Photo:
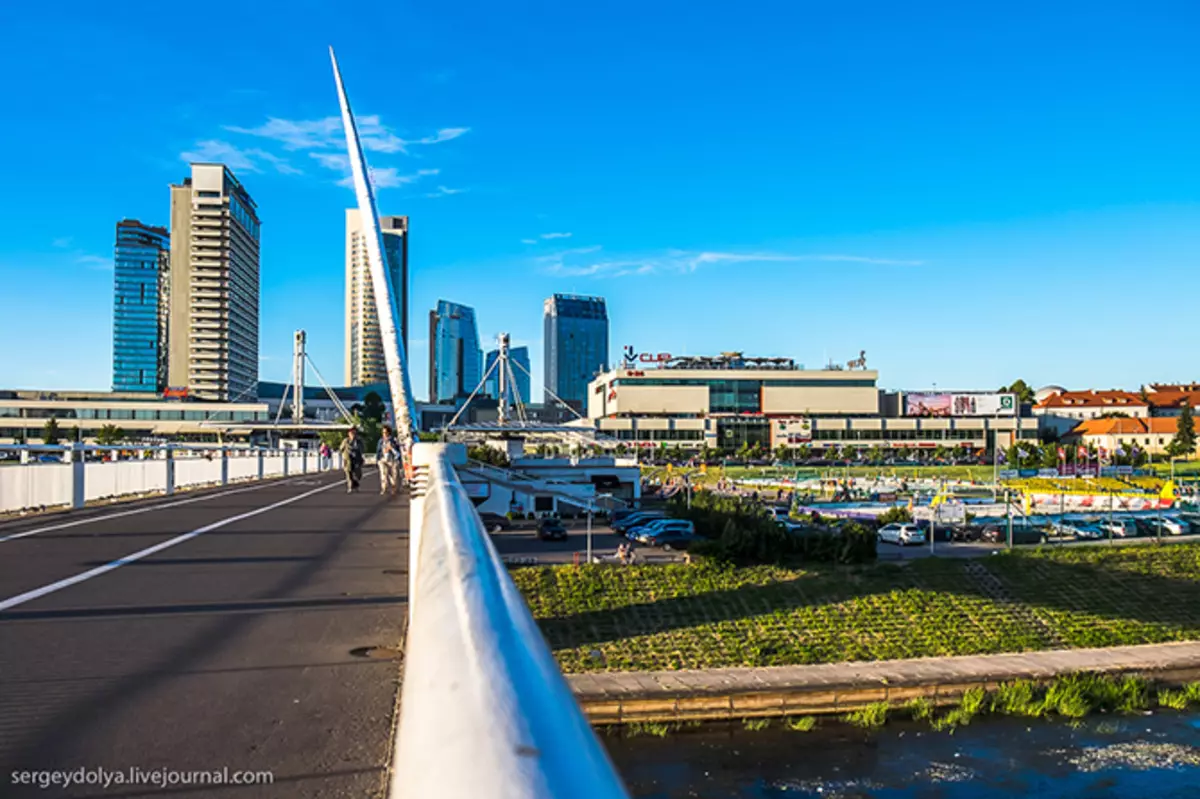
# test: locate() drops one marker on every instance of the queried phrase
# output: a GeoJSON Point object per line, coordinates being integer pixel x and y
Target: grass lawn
{"type": "Point", "coordinates": [600, 618]}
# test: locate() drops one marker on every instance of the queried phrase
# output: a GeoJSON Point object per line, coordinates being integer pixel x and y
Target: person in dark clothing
{"type": "Point", "coordinates": [352, 460]}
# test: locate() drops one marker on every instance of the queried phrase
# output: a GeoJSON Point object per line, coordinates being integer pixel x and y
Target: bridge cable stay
{"type": "Point", "coordinates": [394, 356]}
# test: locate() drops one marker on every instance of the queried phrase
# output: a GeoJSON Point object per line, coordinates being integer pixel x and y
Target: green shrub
{"type": "Point", "coordinates": [801, 723]}
{"type": "Point", "coordinates": [919, 708]}
{"type": "Point", "coordinates": [1017, 699]}
{"type": "Point", "coordinates": [1192, 690]}
{"type": "Point", "coordinates": [754, 725]}
{"type": "Point", "coordinates": [871, 717]}
{"type": "Point", "coordinates": [647, 728]}
{"type": "Point", "coordinates": [1172, 698]}
{"type": "Point", "coordinates": [1070, 696]}
{"type": "Point", "coordinates": [896, 515]}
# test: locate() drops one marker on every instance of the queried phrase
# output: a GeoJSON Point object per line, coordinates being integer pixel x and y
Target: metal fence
{"type": "Point", "coordinates": [485, 711]}
{"type": "Point", "coordinates": [36, 477]}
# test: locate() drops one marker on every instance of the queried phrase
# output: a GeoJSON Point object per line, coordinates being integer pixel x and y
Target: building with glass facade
{"type": "Point", "coordinates": [141, 272]}
{"type": "Point", "coordinates": [365, 363]}
{"type": "Point", "coordinates": [576, 346]}
{"type": "Point", "coordinates": [455, 361]}
{"type": "Point", "coordinates": [213, 327]}
{"type": "Point", "coordinates": [519, 360]}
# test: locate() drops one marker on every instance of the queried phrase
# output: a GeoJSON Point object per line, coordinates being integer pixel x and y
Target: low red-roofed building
{"type": "Point", "coordinates": [1168, 400]}
{"type": "Point", "coordinates": [1061, 411]}
{"type": "Point", "coordinates": [1150, 434]}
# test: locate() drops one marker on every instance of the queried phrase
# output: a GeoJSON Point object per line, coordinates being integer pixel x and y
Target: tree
{"type": "Point", "coordinates": [332, 438]}
{"type": "Point", "coordinates": [1184, 442]}
{"type": "Point", "coordinates": [782, 452]}
{"type": "Point", "coordinates": [51, 433]}
{"type": "Point", "coordinates": [1021, 389]}
{"type": "Point", "coordinates": [373, 407]}
{"type": "Point", "coordinates": [804, 452]}
{"type": "Point", "coordinates": [109, 435]}
{"type": "Point", "coordinates": [875, 455]}
{"type": "Point", "coordinates": [1049, 455]}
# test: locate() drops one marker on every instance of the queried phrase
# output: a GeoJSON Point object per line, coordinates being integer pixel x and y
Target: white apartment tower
{"type": "Point", "coordinates": [213, 325]}
{"type": "Point", "coordinates": [364, 345]}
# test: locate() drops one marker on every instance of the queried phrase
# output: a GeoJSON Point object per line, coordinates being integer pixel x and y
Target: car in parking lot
{"type": "Point", "coordinates": [1021, 534]}
{"type": "Point", "coordinates": [644, 535]}
{"type": "Point", "coordinates": [901, 534]}
{"type": "Point", "coordinates": [675, 533]}
{"type": "Point", "coordinates": [551, 530]}
{"type": "Point", "coordinates": [1119, 528]}
{"type": "Point", "coordinates": [1153, 526]}
{"type": "Point", "coordinates": [627, 523]}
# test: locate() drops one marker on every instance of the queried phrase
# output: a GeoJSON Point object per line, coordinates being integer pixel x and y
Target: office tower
{"type": "Point", "coordinates": [518, 357]}
{"type": "Point", "coordinates": [576, 341]}
{"type": "Point", "coordinates": [364, 346]}
{"type": "Point", "coordinates": [454, 357]}
{"type": "Point", "coordinates": [213, 329]}
{"type": "Point", "coordinates": [141, 273]}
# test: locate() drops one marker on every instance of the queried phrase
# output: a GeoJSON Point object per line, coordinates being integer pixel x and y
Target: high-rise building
{"type": "Point", "coordinates": [518, 357]}
{"type": "Point", "coordinates": [213, 330]}
{"type": "Point", "coordinates": [454, 357]}
{"type": "Point", "coordinates": [576, 341]}
{"type": "Point", "coordinates": [141, 274]}
{"type": "Point", "coordinates": [364, 345]}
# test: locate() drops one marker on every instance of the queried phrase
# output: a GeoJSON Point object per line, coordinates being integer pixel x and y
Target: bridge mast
{"type": "Point", "coordinates": [385, 299]}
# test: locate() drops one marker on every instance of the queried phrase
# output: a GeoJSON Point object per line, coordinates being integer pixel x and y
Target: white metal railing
{"type": "Point", "coordinates": [485, 711]}
{"type": "Point", "coordinates": [43, 476]}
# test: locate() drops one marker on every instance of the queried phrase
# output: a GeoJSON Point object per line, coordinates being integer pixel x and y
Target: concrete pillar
{"type": "Point", "coordinates": [169, 455]}
{"type": "Point", "coordinates": [259, 454]}
{"type": "Point", "coordinates": [285, 463]}
{"type": "Point", "coordinates": [74, 456]}
{"type": "Point", "coordinates": [224, 466]}
{"type": "Point", "coordinates": [304, 461]}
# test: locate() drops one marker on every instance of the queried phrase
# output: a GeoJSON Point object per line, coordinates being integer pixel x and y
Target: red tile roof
{"type": "Point", "coordinates": [1173, 398]}
{"type": "Point", "coordinates": [1122, 426]}
{"type": "Point", "coordinates": [1093, 399]}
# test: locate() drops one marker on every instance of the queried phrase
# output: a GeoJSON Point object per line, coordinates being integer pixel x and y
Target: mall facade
{"type": "Point", "coordinates": [723, 402]}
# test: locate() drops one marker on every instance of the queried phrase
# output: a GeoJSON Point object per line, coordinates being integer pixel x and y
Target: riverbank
{"type": "Point", "coordinates": [705, 616]}
{"type": "Point", "coordinates": [845, 688]}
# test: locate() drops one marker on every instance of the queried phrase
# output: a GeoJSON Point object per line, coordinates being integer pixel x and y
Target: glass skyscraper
{"type": "Point", "coordinates": [365, 363]}
{"type": "Point", "coordinates": [576, 340]}
{"type": "Point", "coordinates": [518, 357]}
{"type": "Point", "coordinates": [142, 264]}
{"type": "Point", "coordinates": [454, 356]}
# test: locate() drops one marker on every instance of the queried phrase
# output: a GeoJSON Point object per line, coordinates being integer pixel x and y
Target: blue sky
{"type": "Point", "coordinates": [969, 194]}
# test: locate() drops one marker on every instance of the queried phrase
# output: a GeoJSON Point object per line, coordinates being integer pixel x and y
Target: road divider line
{"type": "Point", "coordinates": [160, 506]}
{"type": "Point", "coordinates": [28, 596]}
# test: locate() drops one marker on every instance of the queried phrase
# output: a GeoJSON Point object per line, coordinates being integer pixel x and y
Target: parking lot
{"type": "Point", "coordinates": [521, 544]}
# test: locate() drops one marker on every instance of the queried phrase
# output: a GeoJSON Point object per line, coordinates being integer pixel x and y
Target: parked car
{"type": "Point", "coordinates": [494, 522]}
{"type": "Point", "coordinates": [551, 530]}
{"type": "Point", "coordinates": [635, 519]}
{"type": "Point", "coordinates": [1119, 528]}
{"type": "Point", "coordinates": [1153, 526]}
{"type": "Point", "coordinates": [781, 513]}
{"type": "Point", "coordinates": [1021, 534]}
{"type": "Point", "coordinates": [644, 534]}
{"type": "Point", "coordinates": [673, 539]}
{"type": "Point", "coordinates": [902, 534]}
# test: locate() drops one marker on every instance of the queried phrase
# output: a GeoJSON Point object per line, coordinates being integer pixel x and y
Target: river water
{"type": "Point", "coordinates": [1104, 757]}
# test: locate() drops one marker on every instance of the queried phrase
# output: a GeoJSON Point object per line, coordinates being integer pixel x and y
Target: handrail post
{"type": "Point", "coordinates": [224, 466]}
{"type": "Point", "coordinates": [169, 457]}
{"type": "Point", "coordinates": [75, 457]}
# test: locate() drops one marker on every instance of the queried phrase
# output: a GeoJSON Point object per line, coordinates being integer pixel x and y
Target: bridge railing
{"type": "Point", "coordinates": [485, 711]}
{"type": "Point", "coordinates": [47, 476]}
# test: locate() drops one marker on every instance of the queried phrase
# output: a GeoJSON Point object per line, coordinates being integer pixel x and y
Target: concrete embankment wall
{"type": "Point", "coordinates": [723, 694]}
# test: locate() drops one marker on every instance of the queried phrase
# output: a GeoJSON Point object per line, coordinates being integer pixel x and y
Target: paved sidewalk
{"type": "Point", "coordinates": [619, 697]}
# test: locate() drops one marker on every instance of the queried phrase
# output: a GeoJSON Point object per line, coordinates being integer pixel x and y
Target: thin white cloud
{"type": "Point", "coordinates": [685, 262]}
{"type": "Point", "coordinates": [529, 241]}
{"type": "Point", "coordinates": [327, 133]}
{"type": "Point", "coordinates": [338, 161]}
{"type": "Point", "coordinates": [442, 191]}
{"type": "Point", "coordinates": [62, 243]}
{"type": "Point", "coordinates": [556, 235]}
{"type": "Point", "coordinates": [97, 262]}
{"type": "Point", "coordinates": [389, 177]}
{"type": "Point", "coordinates": [236, 158]}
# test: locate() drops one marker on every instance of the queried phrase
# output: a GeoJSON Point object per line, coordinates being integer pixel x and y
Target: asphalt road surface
{"type": "Point", "coordinates": [202, 635]}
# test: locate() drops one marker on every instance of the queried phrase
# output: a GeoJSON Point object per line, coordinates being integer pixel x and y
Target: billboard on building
{"type": "Point", "coordinates": [791, 432]}
{"type": "Point", "coordinates": [929, 404]}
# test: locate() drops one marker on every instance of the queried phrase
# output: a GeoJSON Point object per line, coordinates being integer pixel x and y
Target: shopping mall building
{"type": "Point", "coordinates": [730, 400]}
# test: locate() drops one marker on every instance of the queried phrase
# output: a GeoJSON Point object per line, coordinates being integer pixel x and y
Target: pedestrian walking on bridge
{"type": "Point", "coordinates": [387, 455]}
{"type": "Point", "coordinates": [352, 460]}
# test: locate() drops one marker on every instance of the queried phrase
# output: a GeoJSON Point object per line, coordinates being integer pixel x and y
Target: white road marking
{"type": "Point", "coordinates": [146, 509]}
{"type": "Point", "coordinates": [28, 596]}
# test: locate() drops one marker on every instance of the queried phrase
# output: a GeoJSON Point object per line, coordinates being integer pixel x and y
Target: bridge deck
{"type": "Point", "coordinates": [231, 648]}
